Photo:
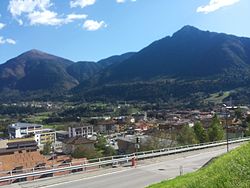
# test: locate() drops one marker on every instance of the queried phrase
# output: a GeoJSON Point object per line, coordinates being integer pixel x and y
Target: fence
{"type": "Point", "coordinates": [83, 166]}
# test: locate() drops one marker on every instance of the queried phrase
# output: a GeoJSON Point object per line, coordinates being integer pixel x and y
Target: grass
{"type": "Point", "coordinates": [55, 127]}
{"type": "Point", "coordinates": [231, 170]}
{"type": "Point", "coordinates": [218, 98]}
{"type": "Point", "coordinates": [38, 118]}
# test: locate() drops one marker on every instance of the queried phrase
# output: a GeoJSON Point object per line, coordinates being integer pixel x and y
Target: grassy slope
{"type": "Point", "coordinates": [216, 98]}
{"type": "Point", "coordinates": [229, 171]}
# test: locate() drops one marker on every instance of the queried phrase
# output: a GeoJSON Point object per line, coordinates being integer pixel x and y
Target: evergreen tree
{"type": "Point", "coordinates": [215, 132]}
{"type": "Point", "coordinates": [238, 113]}
{"type": "Point", "coordinates": [103, 147]}
{"type": "Point", "coordinates": [248, 130]}
{"type": "Point", "coordinates": [200, 133]}
{"type": "Point", "coordinates": [47, 148]}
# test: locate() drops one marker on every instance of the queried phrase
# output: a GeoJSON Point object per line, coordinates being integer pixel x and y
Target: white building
{"type": "Point", "coordinates": [86, 131]}
{"type": "Point", "coordinates": [41, 136]}
{"type": "Point", "coordinates": [20, 130]}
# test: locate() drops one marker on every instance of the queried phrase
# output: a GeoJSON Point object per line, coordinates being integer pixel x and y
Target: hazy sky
{"type": "Point", "coordinates": [95, 29]}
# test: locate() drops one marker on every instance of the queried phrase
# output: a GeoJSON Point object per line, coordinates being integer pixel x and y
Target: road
{"type": "Point", "coordinates": [146, 173]}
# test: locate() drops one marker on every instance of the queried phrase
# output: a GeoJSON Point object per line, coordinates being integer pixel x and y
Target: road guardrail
{"type": "Point", "coordinates": [25, 173]}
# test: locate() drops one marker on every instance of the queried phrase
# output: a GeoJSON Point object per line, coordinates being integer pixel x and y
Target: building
{"type": "Point", "coordinates": [62, 135]}
{"type": "Point", "coordinates": [20, 155]}
{"type": "Point", "coordinates": [45, 136]}
{"type": "Point", "coordinates": [107, 127]}
{"type": "Point", "coordinates": [127, 144]}
{"type": "Point", "coordinates": [85, 131]}
{"type": "Point", "coordinates": [70, 145]}
{"type": "Point", "coordinates": [24, 130]}
{"type": "Point", "coordinates": [20, 130]}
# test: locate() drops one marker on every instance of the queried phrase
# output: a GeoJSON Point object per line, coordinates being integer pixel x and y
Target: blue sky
{"type": "Point", "coordinates": [95, 29]}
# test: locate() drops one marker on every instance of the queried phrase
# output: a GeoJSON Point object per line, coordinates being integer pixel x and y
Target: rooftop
{"type": "Point", "coordinates": [24, 125]}
{"type": "Point", "coordinates": [79, 125]}
{"type": "Point", "coordinates": [79, 140]}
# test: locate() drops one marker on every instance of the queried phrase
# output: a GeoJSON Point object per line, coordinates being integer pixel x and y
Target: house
{"type": "Point", "coordinates": [24, 154]}
{"type": "Point", "coordinates": [141, 126]}
{"type": "Point", "coordinates": [126, 145]}
{"type": "Point", "coordinates": [70, 145]}
{"type": "Point", "coordinates": [107, 127]}
{"type": "Point", "coordinates": [20, 155]}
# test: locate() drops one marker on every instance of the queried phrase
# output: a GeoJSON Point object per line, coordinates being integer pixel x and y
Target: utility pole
{"type": "Point", "coordinates": [227, 137]}
{"type": "Point", "coordinates": [227, 131]}
{"type": "Point", "coordinates": [137, 146]}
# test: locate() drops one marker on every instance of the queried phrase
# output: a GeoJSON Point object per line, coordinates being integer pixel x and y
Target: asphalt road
{"type": "Point", "coordinates": [146, 173]}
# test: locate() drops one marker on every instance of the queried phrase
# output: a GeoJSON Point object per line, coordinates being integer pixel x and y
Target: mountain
{"type": "Point", "coordinates": [115, 59]}
{"type": "Point", "coordinates": [84, 70]}
{"type": "Point", "coordinates": [189, 53]}
{"type": "Point", "coordinates": [187, 66]}
{"type": "Point", "coordinates": [36, 70]}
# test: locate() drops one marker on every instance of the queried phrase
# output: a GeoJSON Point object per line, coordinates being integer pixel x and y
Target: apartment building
{"type": "Point", "coordinates": [86, 131]}
{"type": "Point", "coordinates": [40, 135]}
{"type": "Point", "coordinates": [20, 130]}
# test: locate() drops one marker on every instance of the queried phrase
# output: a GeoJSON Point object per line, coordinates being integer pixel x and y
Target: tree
{"type": "Point", "coordinates": [109, 151]}
{"type": "Point", "coordinates": [47, 148]}
{"type": "Point", "coordinates": [187, 136]}
{"type": "Point", "coordinates": [103, 147]}
{"type": "Point", "coordinates": [215, 132]}
{"type": "Point", "coordinates": [200, 133]}
{"type": "Point", "coordinates": [248, 129]}
{"type": "Point", "coordinates": [82, 152]}
{"type": "Point", "coordinates": [238, 113]}
{"type": "Point", "coordinates": [101, 143]}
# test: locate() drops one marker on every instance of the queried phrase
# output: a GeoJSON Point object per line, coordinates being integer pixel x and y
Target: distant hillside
{"type": "Point", "coordinates": [186, 67]}
{"type": "Point", "coordinates": [36, 70]}
{"type": "Point", "coordinates": [115, 59]}
{"type": "Point", "coordinates": [189, 53]}
{"type": "Point", "coordinates": [84, 70]}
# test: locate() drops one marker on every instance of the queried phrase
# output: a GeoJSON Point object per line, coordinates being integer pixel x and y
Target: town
{"type": "Point", "coordinates": [28, 145]}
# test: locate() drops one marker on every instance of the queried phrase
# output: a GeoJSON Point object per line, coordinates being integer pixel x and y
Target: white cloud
{"type": "Point", "coordinates": [2, 25]}
{"type": "Point", "coordinates": [51, 18]}
{"type": "Point", "coordinates": [215, 5]}
{"type": "Point", "coordinates": [44, 18]}
{"type": "Point", "coordinates": [10, 41]}
{"type": "Point", "coordinates": [72, 17]}
{"type": "Point", "coordinates": [92, 25]}
{"type": "Point", "coordinates": [37, 13]}
{"type": "Point", "coordinates": [7, 41]}
{"type": "Point", "coordinates": [124, 1]}
{"type": "Point", "coordinates": [120, 1]}
{"type": "Point", "coordinates": [81, 3]}
{"type": "Point", "coordinates": [18, 7]}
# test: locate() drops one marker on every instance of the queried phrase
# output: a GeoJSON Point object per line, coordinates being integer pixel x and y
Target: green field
{"type": "Point", "coordinates": [218, 98]}
{"type": "Point", "coordinates": [38, 118]}
{"type": "Point", "coordinates": [231, 170]}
